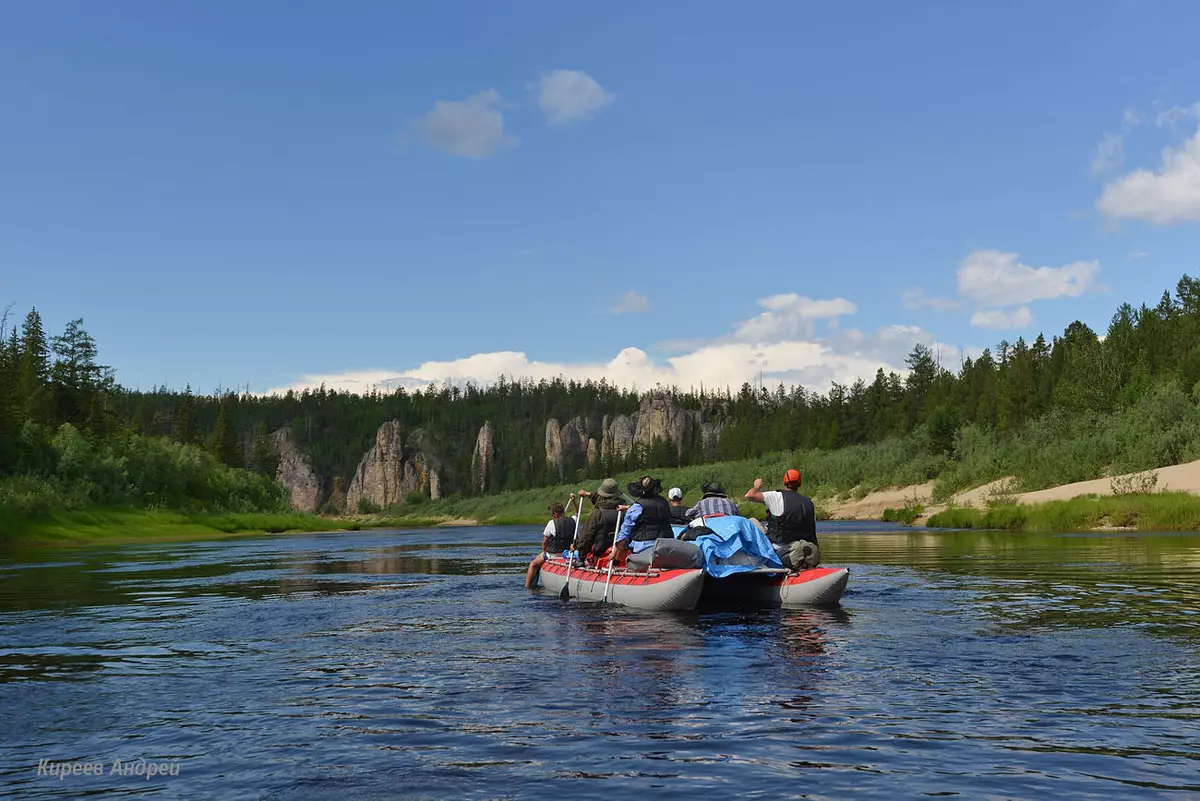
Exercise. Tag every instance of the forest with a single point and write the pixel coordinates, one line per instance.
(72, 436)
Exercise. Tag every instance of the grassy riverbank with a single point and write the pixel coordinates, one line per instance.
(83, 526)
(1162, 511)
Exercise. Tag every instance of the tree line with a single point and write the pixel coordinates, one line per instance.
(48, 382)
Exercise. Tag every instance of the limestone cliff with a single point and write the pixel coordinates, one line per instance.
(295, 472)
(567, 444)
(380, 474)
(660, 417)
(482, 457)
(619, 433)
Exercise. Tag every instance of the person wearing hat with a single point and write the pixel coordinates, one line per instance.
(791, 521)
(556, 538)
(714, 501)
(679, 514)
(596, 536)
(648, 518)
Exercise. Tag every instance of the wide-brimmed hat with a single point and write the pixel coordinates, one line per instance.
(645, 487)
(609, 488)
(713, 488)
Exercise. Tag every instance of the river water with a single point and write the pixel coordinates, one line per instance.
(414, 665)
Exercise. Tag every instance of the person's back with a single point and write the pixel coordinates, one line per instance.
(791, 521)
(713, 502)
(679, 513)
(596, 536)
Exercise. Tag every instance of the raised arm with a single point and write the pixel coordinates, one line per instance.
(755, 492)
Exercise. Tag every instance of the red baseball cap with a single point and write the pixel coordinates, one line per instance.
(791, 477)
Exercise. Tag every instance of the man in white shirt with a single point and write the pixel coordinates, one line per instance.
(557, 536)
(791, 521)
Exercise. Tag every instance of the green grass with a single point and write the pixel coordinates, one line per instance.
(906, 515)
(1162, 511)
(79, 526)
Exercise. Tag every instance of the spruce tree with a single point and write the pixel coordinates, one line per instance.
(225, 438)
(33, 370)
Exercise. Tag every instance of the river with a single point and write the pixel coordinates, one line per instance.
(414, 665)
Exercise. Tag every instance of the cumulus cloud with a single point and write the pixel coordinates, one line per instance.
(570, 96)
(473, 127)
(790, 316)
(1020, 317)
(714, 363)
(632, 302)
(1167, 195)
(992, 278)
(915, 298)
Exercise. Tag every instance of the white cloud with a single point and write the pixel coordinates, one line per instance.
(992, 278)
(915, 298)
(1020, 317)
(790, 316)
(473, 127)
(716, 363)
(1169, 195)
(1171, 117)
(1137, 255)
(632, 302)
(570, 96)
(1109, 155)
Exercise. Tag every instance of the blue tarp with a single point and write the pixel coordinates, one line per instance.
(736, 545)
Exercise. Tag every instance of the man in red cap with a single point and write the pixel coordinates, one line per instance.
(791, 521)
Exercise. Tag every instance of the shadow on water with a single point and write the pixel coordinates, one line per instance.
(386, 664)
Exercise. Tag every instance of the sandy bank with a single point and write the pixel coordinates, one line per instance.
(1176, 478)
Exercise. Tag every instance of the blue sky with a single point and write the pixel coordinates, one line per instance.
(272, 194)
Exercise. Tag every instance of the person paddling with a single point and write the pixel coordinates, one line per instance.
(791, 521)
(556, 538)
(648, 518)
(596, 536)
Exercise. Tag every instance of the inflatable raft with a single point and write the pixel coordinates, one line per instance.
(652, 589)
(818, 586)
(656, 589)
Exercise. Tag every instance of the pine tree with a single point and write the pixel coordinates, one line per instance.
(33, 370)
(225, 439)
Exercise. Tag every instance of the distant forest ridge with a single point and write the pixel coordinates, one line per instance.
(542, 432)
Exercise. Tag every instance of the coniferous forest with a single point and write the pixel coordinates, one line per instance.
(1125, 398)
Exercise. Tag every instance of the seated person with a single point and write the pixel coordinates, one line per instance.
(714, 501)
(596, 536)
(648, 518)
(679, 515)
(791, 522)
(556, 538)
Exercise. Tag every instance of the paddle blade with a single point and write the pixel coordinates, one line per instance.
(565, 595)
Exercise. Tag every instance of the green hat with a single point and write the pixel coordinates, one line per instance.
(609, 488)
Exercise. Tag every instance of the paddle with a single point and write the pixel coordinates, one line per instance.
(566, 590)
(612, 555)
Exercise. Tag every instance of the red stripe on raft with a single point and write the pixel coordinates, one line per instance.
(810, 574)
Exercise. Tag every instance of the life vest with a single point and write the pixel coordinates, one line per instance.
(564, 534)
(654, 520)
(798, 521)
(679, 514)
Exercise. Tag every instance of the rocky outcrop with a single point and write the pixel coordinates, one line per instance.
(482, 457)
(567, 444)
(393, 468)
(660, 418)
(619, 432)
(296, 472)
